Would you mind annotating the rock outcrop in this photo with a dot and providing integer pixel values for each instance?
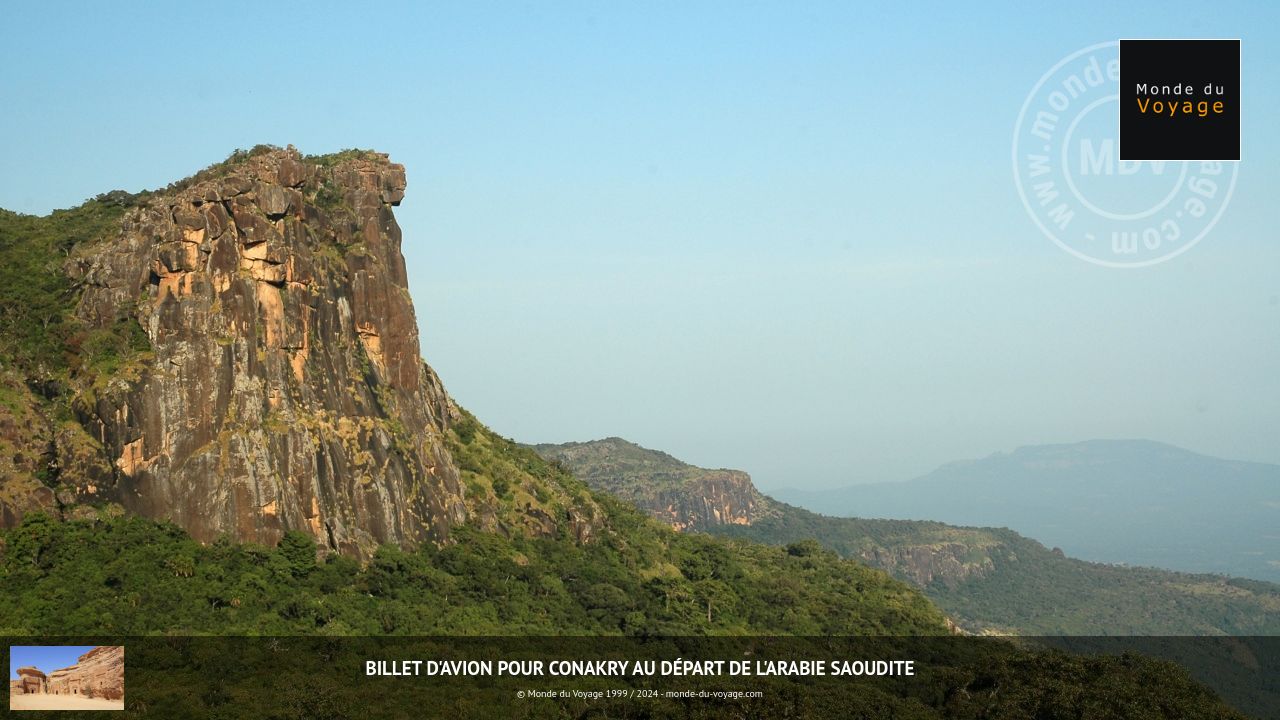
(948, 563)
(30, 681)
(283, 387)
(683, 496)
(262, 370)
(713, 497)
(98, 673)
(238, 354)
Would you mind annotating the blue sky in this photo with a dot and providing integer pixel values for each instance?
(783, 237)
(44, 657)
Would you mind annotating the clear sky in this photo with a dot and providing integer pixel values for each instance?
(783, 237)
(46, 658)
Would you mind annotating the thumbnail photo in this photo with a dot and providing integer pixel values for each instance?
(66, 677)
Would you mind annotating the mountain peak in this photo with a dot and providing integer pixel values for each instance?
(271, 379)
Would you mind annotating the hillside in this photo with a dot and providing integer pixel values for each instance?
(237, 354)
(215, 420)
(196, 375)
(1117, 501)
(121, 575)
(986, 579)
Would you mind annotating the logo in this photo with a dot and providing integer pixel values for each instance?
(1073, 184)
(1180, 99)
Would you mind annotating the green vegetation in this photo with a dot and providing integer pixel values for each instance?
(1037, 591)
(38, 333)
(130, 576)
(329, 160)
(624, 468)
(50, 359)
(127, 575)
(513, 484)
(553, 560)
(236, 158)
(1030, 590)
(543, 555)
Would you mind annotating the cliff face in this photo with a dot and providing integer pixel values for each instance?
(98, 673)
(264, 372)
(947, 563)
(681, 495)
(714, 497)
(31, 681)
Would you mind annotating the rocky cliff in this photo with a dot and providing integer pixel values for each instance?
(31, 681)
(683, 496)
(946, 563)
(240, 357)
(282, 386)
(97, 673)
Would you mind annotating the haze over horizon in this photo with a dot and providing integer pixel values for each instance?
(757, 240)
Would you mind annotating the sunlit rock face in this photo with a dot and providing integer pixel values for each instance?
(283, 387)
(31, 681)
(682, 495)
(98, 673)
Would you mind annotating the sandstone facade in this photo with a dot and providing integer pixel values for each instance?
(98, 673)
(30, 681)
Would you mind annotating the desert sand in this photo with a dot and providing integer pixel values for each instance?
(42, 701)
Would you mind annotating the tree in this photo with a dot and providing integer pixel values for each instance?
(299, 549)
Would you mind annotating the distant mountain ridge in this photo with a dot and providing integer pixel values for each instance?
(1136, 502)
(987, 579)
(679, 494)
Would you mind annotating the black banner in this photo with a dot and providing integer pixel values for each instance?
(332, 678)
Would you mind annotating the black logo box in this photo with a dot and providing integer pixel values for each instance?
(1187, 68)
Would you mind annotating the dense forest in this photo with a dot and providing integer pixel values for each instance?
(113, 573)
(128, 575)
(118, 576)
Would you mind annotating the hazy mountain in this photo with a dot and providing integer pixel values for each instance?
(987, 579)
(1118, 501)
